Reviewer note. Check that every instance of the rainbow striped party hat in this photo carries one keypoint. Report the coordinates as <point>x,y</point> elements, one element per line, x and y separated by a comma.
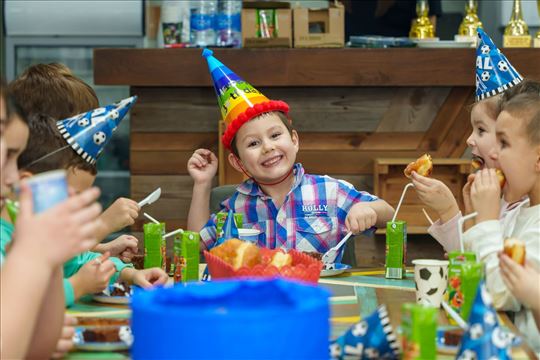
<point>238,101</point>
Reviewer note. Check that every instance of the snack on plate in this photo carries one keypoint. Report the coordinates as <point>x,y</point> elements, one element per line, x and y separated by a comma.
<point>452,337</point>
<point>314,254</point>
<point>97,321</point>
<point>237,253</point>
<point>423,166</point>
<point>118,289</point>
<point>103,334</point>
<point>515,249</point>
<point>281,259</point>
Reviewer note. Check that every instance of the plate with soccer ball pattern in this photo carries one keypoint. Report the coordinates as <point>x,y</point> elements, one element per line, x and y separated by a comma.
<point>334,269</point>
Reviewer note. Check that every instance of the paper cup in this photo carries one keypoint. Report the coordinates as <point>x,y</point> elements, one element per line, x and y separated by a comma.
<point>251,235</point>
<point>48,189</point>
<point>431,279</point>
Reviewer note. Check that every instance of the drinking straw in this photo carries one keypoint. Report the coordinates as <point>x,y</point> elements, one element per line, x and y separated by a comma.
<point>151,218</point>
<point>427,216</point>
<point>401,200</point>
<point>459,320</point>
<point>173,233</point>
<point>460,228</point>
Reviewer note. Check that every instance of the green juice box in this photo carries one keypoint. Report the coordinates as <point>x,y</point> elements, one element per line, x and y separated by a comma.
<point>454,291</point>
<point>153,245</point>
<point>220,221</point>
<point>396,249</point>
<point>419,331</point>
<point>186,257</point>
<point>471,275</point>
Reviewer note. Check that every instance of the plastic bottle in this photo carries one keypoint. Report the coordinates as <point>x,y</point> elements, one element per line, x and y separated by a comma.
<point>228,25</point>
<point>202,21</point>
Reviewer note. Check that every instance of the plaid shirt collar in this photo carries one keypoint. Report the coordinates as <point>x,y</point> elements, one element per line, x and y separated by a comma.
<point>251,188</point>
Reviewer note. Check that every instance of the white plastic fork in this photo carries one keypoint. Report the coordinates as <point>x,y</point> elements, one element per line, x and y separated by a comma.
<point>330,256</point>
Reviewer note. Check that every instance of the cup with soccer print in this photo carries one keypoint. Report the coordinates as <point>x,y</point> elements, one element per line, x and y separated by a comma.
<point>431,279</point>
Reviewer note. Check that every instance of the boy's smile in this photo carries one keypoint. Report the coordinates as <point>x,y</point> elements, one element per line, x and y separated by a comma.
<point>266,149</point>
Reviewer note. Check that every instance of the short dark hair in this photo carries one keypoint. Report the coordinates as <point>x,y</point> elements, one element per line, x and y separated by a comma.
<point>284,119</point>
<point>45,139</point>
<point>523,100</point>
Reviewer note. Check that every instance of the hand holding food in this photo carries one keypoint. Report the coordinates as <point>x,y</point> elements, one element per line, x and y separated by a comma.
<point>515,250</point>
<point>422,166</point>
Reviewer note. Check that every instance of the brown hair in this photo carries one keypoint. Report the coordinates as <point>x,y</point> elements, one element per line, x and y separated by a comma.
<point>523,100</point>
<point>45,139</point>
<point>284,119</point>
<point>53,90</point>
<point>50,92</point>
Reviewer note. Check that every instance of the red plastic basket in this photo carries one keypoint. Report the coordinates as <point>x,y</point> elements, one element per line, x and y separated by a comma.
<point>303,268</point>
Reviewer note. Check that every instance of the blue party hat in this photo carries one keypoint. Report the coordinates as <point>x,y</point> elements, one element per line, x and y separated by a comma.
<point>230,230</point>
<point>484,338</point>
<point>89,132</point>
<point>494,73</point>
<point>371,338</point>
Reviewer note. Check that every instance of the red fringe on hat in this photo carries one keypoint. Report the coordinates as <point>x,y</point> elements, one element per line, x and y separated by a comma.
<point>250,113</point>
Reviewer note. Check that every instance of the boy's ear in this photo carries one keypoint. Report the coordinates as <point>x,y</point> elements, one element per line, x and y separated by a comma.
<point>537,165</point>
<point>295,140</point>
<point>25,174</point>
<point>235,162</point>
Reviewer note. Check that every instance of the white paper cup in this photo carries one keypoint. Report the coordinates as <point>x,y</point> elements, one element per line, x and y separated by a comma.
<point>251,235</point>
<point>48,189</point>
<point>431,279</point>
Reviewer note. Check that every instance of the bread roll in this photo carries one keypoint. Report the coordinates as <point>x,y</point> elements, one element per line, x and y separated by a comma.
<point>423,166</point>
<point>515,249</point>
<point>237,253</point>
<point>500,177</point>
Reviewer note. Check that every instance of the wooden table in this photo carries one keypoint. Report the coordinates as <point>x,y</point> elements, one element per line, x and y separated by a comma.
<point>375,290</point>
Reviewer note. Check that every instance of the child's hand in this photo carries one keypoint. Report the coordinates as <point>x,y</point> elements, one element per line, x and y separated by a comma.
<point>123,247</point>
<point>435,194</point>
<point>522,281</point>
<point>61,232</point>
<point>93,277</point>
<point>150,277</point>
<point>360,217</point>
<point>120,214</point>
<point>486,195</point>
<point>65,343</point>
<point>202,166</point>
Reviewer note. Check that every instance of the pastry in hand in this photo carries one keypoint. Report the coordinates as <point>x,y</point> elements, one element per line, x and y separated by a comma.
<point>237,253</point>
<point>500,177</point>
<point>422,166</point>
<point>515,249</point>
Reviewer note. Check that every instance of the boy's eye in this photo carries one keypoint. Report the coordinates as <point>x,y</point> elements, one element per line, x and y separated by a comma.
<point>275,135</point>
<point>252,143</point>
<point>503,144</point>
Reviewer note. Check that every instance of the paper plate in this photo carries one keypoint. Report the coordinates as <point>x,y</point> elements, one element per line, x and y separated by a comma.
<point>443,44</point>
<point>97,346</point>
<point>334,269</point>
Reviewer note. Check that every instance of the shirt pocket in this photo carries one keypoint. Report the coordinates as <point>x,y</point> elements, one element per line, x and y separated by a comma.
<point>315,234</point>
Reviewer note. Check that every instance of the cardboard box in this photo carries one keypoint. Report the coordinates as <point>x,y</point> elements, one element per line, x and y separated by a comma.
<point>317,28</point>
<point>283,25</point>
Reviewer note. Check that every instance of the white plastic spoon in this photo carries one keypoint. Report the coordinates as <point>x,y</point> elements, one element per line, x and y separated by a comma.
<point>330,256</point>
<point>154,196</point>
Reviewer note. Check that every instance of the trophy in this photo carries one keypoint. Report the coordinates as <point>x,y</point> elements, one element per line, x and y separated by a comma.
<point>422,28</point>
<point>537,38</point>
<point>516,33</point>
<point>471,22</point>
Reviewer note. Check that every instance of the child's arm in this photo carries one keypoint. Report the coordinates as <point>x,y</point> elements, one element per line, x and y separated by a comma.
<point>364,215</point>
<point>123,212</point>
<point>524,283</point>
<point>144,278</point>
<point>202,166</point>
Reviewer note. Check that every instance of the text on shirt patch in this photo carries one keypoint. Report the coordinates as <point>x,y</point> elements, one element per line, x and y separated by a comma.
<point>314,210</point>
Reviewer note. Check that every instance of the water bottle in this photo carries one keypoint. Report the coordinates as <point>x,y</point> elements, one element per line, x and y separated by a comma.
<point>229,29</point>
<point>202,21</point>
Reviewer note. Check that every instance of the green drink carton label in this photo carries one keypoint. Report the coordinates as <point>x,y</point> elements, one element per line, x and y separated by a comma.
<point>220,221</point>
<point>471,275</point>
<point>186,257</point>
<point>396,248</point>
<point>419,331</point>
<point>454,291</point>
<point>153,245</point>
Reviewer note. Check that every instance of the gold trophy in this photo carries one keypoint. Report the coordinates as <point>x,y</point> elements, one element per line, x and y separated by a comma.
<point>516,33</point>
<point>422,28</point>
<point>471,22</point>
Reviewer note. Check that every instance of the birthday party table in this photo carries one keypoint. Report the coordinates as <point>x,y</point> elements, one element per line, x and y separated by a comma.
<point>369,285</point>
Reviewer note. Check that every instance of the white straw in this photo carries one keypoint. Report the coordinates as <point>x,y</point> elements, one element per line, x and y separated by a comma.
<point>427,216</point>
<point>151,218</point>
<point>460,228</point>
<point>401,200</point>
<point>459,320</point>
<point>173,233</point>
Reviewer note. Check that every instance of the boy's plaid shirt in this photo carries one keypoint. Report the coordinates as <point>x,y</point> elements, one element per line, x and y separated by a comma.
<point>312,217</point>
